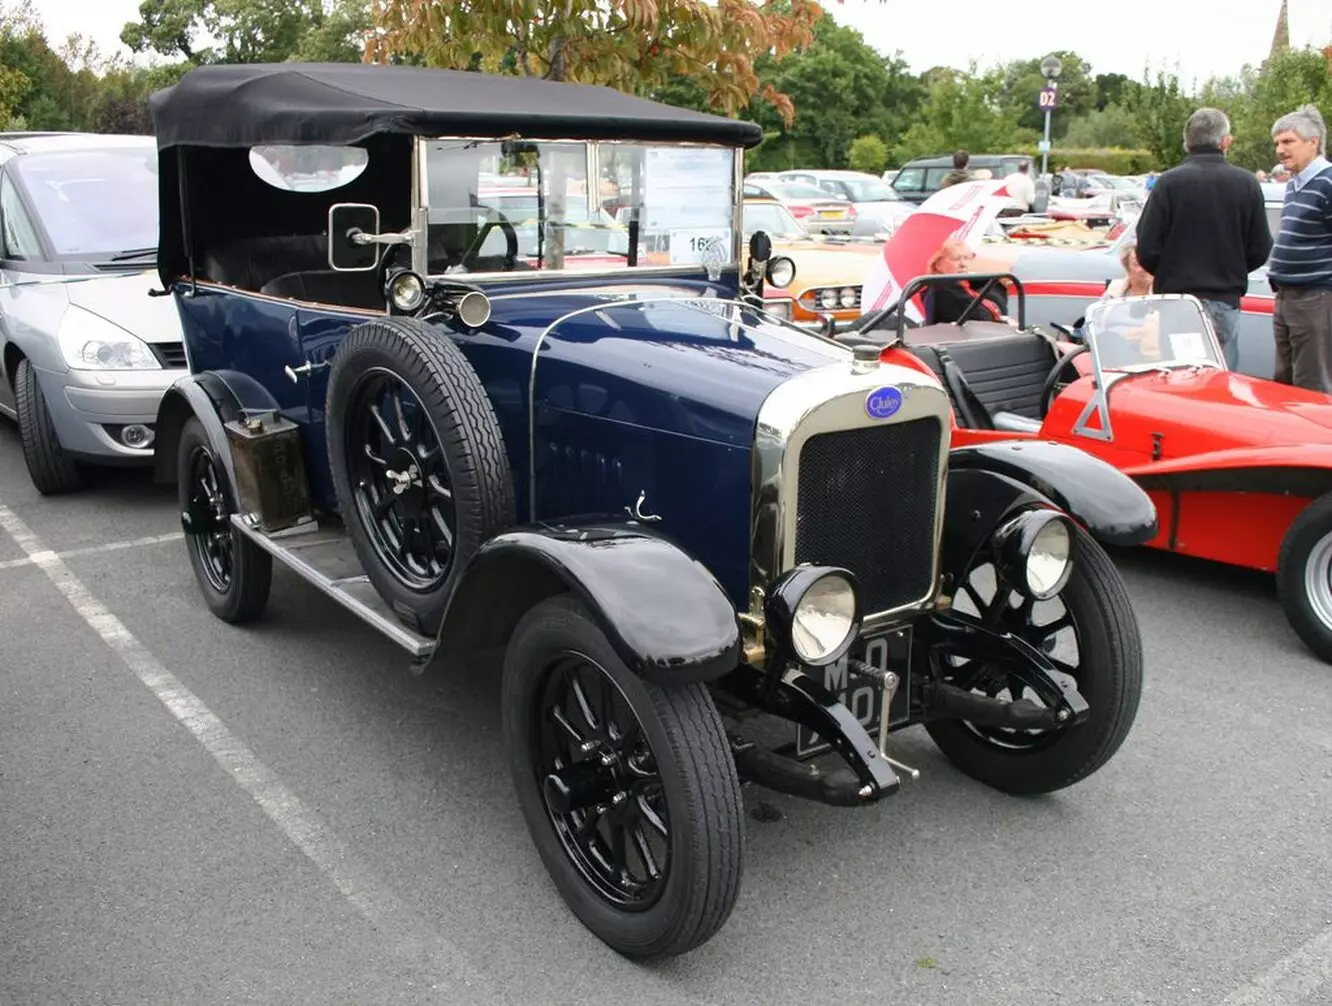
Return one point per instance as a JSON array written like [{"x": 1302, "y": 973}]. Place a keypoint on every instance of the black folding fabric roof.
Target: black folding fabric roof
[{"x": 240, "y": 105}]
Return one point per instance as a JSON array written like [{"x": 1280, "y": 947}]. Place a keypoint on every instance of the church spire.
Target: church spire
[{"x": 1281, "y": 37}]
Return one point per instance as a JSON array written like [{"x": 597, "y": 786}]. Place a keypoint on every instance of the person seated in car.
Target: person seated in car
[
  {"x": 957, "y": 302},
  {"x": 1136, "y": 281}
]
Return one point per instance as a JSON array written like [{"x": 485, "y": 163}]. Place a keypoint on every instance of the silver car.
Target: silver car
[{"x": 85, "y": 352}]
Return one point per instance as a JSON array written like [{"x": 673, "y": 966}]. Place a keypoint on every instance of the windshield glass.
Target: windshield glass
[
  {"x": 869, "y": 191},
  {"x": 774, "y": 218},
  {"x": 94, "y": 203},
  {"x": 1147, "y": 332},
  {"x": 509, "y": 206}
]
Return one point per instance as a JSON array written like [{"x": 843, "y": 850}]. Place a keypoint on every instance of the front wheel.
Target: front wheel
[
  {"x": 234, "y": 573},
  {"x": 52, "y": 471},
  {"x": 1304, "y": 576},
  {"x": 1090, "y": 634},
  {"x": 629, "y": 789}
]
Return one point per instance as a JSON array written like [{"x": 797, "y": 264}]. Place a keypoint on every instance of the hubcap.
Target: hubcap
[
  {"x": 401, "y": 484},
  {"x": 1318, "y": 580},
  {"x": 600, "y": 783}
]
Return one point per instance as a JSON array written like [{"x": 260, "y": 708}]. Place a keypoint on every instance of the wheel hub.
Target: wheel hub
[
  {"x": 594, "y": 781},
  {"x": 406, "y": 482}
]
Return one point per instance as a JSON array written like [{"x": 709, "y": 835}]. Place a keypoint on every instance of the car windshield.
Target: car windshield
[
  {"x": 1143, "y": 333},
  {"x": 505, "y": 206},
  {"x": 774, "y": 219},
  {"x": 798, "y": 190},
  {"x": 869, "y": 191},
  {"x": 94, "y": 204}
]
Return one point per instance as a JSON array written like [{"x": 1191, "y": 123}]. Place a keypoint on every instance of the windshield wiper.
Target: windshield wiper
[{"x": 133, "y": 253}]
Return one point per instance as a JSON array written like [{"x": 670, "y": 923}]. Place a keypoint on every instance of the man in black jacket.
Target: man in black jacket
[{"x": 1204, "y": 228}]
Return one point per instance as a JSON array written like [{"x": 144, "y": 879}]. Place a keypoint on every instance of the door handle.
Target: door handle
[{"x": 305, "y": 368}]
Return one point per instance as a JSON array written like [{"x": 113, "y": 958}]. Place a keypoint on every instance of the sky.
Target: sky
[{"x": 1115, "y": 36}]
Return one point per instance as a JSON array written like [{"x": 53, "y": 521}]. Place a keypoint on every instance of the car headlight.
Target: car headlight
[
  {"x": 814, "y": 613},
  {"x": 849, "y": 296},
  {"x": 828, "y": 298},
  {"x": 1035, "y": 553},
  {"x": 779, "y": 306},
  {"x": 90, "y": 342}
]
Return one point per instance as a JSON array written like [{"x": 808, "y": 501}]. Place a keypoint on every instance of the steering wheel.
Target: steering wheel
[
  {"x": 494, "y": 218},
  {"x": 1052, "y": 387}
]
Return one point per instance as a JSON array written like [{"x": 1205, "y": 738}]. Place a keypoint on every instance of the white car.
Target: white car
[{"x": 872, "y": 197}]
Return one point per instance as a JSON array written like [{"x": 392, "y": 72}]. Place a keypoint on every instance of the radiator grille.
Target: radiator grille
[{"x": 866, "y": 501}]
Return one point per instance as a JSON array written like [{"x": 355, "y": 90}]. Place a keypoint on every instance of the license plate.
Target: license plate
[
  {"x": 890, "y": 652},
  {"x": 832, "y": 214}
]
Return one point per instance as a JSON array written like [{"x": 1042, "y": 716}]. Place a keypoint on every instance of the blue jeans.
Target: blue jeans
[{"x": 1225, "y": 319}]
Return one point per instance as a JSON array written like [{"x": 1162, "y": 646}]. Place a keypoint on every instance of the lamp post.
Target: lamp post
[{"x": 1048, "y": 102}]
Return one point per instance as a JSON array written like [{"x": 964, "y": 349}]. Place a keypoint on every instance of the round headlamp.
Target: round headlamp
[
  {"x": 828, "y": 298},
  {"x": 781, "y": 272},
  {"x": 406, "y": 291},
  {"x": 1035, "y": 553},
  {"x": 814, "y": 613},
  {"x": 849, "y": 296}
]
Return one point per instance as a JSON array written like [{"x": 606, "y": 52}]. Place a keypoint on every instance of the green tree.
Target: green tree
[
  {"x": 868, "y": 153},
  {"x": 250, "y": 31},
  {"x": 1020, "y": 82},
  {"x": 963, "y": 110},
  {"x": 1111, "y": 126},
  {"x": 1160, "y": 109}
]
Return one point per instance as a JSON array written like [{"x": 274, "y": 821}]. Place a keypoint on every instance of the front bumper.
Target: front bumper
[{"x": 90, "y": 408}]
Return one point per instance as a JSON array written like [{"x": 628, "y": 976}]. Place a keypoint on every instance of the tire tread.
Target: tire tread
[{"x": 52, "y": 471}]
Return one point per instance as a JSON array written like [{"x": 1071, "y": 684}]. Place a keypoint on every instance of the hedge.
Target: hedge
[{"x": 1111, "y": 160}]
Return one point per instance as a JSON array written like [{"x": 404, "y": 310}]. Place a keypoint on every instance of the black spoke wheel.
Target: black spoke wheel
[
  {"x": 628, "y": 788},
  {"x": 418, "y": 462},
  {"x": 401, "y": 485},
  {"x": 234, "y": 573},
  {"x": 1090, "y": 634}
]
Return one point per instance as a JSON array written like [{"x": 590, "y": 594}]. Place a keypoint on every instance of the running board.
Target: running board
[{"x": 324, "y": 556}]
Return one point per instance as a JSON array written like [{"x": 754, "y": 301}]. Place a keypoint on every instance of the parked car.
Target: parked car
[
  {"x": 921, "y": 177},
  {"x": 829, "y": 271},
  {"x": 683, "y": 521},
  {"x": 85, "y": 353},
  {"x": 821, "y": 212},
  {"x": 1240, "y": 468},
  {"x": 873, "y": 198}
]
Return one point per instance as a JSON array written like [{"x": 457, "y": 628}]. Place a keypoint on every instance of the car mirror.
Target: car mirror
[{"x": 352, "y": 230}]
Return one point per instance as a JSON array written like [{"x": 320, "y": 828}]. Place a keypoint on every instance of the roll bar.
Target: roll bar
[{"x": 866, "y": 322}]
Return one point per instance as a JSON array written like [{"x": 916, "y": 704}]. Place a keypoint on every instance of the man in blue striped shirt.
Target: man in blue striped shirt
[{"x": 1300, "y": 268}]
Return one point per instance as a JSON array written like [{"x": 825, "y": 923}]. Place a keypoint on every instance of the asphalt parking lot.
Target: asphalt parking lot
[{"x": 199, "y": 813}]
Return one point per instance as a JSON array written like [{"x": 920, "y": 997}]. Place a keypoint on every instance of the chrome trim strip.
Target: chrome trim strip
[{"x": 824, "y": 400}]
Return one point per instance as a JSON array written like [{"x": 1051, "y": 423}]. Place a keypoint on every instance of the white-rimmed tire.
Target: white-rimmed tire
[{"x": 1304, "y": 576}]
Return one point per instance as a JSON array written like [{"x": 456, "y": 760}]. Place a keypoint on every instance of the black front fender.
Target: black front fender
[
  {"x": 1112, "y": 507},
  {"x": 666, "y": 616}
]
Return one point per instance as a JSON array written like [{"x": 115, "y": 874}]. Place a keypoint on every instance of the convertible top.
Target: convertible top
[{"x": 241, "y": 105}]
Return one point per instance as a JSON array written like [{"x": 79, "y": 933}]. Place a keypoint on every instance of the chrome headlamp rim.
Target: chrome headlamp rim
[
  {"x": 406, "y": 290},
  {"x": 782, "y": 609},
  {"x": 1020, "y": 538}
]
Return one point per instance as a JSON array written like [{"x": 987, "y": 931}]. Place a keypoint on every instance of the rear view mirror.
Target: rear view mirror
[{"x": 352, "y": 230}]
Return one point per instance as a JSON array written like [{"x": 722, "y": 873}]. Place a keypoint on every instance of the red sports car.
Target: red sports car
[{"x": 1240, "y": 468}]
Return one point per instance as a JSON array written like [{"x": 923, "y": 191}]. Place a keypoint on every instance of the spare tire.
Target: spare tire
[{"x": 418, "y": 462}]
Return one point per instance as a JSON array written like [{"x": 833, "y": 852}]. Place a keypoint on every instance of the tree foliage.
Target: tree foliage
[{"x": 250, "y": 31}]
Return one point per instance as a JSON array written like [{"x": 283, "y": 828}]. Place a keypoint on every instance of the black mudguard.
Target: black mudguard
[
  {"x": 216, "y": 397},
  {"x": 989, "y": 483},
  {"x": 668, "y": 619},
  {"x": 1112, "y": 507}
]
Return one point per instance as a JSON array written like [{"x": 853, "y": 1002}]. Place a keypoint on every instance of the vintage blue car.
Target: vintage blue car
[{"x": 683, "y": 522}]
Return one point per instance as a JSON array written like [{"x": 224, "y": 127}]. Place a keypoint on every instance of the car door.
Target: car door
[{"x": 20, "y": 252}]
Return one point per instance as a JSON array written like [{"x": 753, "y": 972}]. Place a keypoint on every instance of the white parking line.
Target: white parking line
[
  {"x": 111, "y": 546},
  {"x": 1291, "y": 979},
  {"x": 444, "y": 962}
]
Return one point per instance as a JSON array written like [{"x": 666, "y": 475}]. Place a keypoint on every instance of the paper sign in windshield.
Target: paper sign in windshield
[
  {"x": 701, "y": 246},
  {"x": 1188, "y": 345},
  {"x": 687, "y": 187}
]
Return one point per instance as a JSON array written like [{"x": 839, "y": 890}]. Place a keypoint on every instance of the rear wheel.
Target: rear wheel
[
  {"x": 629, "y": 789},
  {"x": 1304, "y": 576},
  {"x": 51, "y": 469},
  {"x": 234, "y": 573},
  {"x": 1091, "y": 635}
]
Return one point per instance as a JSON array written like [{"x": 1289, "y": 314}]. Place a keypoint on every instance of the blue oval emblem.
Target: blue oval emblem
[{"x": 883, "y": 402}]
